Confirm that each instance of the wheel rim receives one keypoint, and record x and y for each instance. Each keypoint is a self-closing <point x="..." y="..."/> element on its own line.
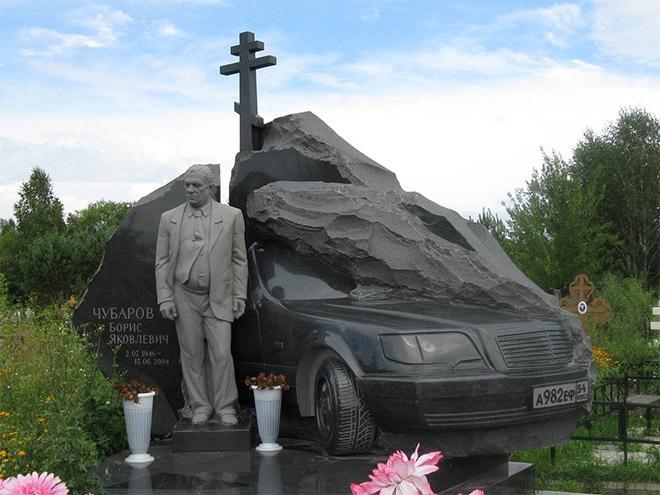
<point x="324" y="408"/>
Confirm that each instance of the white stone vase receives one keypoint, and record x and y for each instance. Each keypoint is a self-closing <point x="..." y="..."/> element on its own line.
<point x="138" y="427"/>
<point x="268" y="403"/>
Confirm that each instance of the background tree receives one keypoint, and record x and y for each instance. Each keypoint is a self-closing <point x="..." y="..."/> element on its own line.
<point x="89" y="230"/>
<point x="37" y="210"/>
<point x="100" y="216"/>
<point x="495" y="225"/>
<point x="10" y="251"/>
<point x="625" y="162"/>
<point x="43" y="257"/>
<point x="554" y="231"/>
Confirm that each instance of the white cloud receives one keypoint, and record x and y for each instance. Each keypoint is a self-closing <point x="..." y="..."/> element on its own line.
<point x="104" y="23"/>
<point x="560" y="17"/>
<point x="143" y="83"/>
<point x="558" y="22"/>
<point x="628" y="28"/>
<point x="168" y="30"/>
<point x="8" y="196"/>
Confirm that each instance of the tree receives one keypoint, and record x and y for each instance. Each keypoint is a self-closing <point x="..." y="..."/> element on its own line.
<point x="495" y="225"/>
<point x="100" y="216"/>
<point x="10" y="252"/>
<point x="625" y="163"/>
<point x="37" y="210"/>
<point x="49" y="268"/>
<point x="90" y="229"/>
<point x="554" y="232"/>
<point x="42" y="256"/>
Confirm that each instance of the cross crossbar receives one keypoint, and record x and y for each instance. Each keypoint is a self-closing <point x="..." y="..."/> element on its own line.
<point x="251" y="47"/>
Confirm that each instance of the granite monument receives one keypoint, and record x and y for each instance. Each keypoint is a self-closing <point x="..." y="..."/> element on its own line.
<point x="201" y="277"/>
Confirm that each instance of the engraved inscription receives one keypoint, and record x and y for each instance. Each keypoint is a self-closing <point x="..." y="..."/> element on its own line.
<point x="126" y="327"/>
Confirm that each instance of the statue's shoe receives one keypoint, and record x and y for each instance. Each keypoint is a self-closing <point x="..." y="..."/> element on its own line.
<point x="200" y="418"/>
<point x="228" y="419"/>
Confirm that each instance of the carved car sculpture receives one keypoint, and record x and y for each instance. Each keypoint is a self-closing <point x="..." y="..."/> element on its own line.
<point x="401" y="366"/>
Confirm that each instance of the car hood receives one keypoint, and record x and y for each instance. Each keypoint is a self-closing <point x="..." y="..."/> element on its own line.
<point x="403" y="316"/>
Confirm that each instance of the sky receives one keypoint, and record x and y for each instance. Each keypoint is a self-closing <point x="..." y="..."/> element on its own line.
<point x="458" y="98"/>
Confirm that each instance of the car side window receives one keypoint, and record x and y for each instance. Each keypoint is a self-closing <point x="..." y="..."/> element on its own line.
<point x="291" y="276"/>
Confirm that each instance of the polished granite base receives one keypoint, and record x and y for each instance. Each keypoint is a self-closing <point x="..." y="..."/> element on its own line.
<point x="301" y="468"/>
<point x="211" y="436"/>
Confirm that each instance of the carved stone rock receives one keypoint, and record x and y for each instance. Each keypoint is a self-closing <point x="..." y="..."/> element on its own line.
<point x="395" y="245"/>
<point x="301" y="147"/>
<point x="312" y="191"/>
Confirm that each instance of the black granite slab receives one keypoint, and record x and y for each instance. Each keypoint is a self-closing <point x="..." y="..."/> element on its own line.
<point x="301" y="468"/>
<point x="211" y="436"/>
<point x="120" y="312"/>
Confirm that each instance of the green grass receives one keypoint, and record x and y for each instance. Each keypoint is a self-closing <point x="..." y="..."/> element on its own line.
<point x="57" y="412"/>
<point x="578" y="469"/>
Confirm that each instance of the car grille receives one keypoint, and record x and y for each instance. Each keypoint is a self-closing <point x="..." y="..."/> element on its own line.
<point x="549" y="348"/>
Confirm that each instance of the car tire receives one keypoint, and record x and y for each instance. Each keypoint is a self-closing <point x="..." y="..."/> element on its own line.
<point x="344" y="421"/>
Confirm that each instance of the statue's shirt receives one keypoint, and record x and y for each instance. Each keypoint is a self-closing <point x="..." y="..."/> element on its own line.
<point x="192" y="268"/>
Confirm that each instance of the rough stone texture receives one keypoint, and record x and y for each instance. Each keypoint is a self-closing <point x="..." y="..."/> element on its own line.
<point x="301" y="147"/>
<point x="121" y="301"/>
<point x="394" y="244"/>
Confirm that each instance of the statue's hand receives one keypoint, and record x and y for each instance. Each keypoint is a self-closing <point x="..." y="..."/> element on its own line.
<point x="168" y="310"/>
<point x="239" y="308"/>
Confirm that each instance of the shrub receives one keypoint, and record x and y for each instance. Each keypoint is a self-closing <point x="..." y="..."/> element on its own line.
<point x="626" y="335"/>
<point x="59" y="414"/>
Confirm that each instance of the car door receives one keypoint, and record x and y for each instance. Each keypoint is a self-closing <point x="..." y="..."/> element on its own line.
<point x="275" y="323"/>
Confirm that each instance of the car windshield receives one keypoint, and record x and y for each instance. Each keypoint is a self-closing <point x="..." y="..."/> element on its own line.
<point x="289" y="275"/>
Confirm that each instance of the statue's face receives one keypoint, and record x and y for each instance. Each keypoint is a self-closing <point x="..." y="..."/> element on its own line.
<point x="198" y="191"/>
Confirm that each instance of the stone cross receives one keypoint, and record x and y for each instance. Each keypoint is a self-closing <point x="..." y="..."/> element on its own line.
<point x="246" y="67"/>
<point x="581" y="304"/>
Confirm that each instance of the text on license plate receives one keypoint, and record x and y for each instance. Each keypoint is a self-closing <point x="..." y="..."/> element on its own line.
<point x="563" y="393"/>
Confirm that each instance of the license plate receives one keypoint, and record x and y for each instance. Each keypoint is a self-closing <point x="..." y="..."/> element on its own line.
<point x="557" y="395"/>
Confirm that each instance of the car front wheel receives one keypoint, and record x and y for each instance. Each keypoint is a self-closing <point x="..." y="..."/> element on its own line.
<point x="345" y="424"/>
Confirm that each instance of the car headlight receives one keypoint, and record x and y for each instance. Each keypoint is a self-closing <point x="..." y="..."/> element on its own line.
<point x="451" y="348"/>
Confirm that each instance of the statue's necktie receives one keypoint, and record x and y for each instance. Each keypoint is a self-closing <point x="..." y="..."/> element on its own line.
<point x="198" y="228"/>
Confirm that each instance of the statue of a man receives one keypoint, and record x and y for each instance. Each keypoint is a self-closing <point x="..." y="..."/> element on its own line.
<point x="201" y="278"/>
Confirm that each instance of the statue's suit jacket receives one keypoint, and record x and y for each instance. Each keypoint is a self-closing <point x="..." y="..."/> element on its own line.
<point x="227" y="257"/>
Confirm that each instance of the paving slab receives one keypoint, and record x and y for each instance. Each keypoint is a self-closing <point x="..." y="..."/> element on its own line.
<point x="301" y="468"/>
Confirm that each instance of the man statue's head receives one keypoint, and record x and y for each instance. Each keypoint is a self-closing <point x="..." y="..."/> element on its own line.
<point x="198" y="181"/>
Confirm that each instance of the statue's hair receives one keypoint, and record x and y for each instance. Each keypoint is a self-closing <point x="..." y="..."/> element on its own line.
<point x="201" y="171"/>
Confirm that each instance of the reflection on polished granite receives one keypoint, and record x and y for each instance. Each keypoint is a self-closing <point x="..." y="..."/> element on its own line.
<point x="301" y="468"/>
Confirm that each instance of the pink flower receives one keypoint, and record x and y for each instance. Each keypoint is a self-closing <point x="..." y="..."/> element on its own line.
<point x="477" y="492"/>
<point x="34" y="484"/>
<point x="358" y="490"/>
<point x="401" y="475"/>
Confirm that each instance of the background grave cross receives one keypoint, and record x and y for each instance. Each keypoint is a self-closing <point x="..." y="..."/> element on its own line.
<point x="589" y="311"/>
<point x="246" y="67"/>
